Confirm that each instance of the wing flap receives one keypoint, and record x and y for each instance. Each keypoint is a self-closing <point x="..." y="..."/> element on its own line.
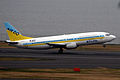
<point x="57" y="45"/>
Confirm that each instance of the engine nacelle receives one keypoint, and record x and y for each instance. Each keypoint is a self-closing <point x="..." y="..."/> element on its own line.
<point x="71" y="45"/>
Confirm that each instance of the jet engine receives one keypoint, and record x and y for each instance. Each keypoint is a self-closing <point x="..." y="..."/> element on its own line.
<point x="71" y="45"/>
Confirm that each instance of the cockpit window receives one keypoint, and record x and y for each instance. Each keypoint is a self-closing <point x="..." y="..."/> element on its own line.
<point x="107" y="35"/>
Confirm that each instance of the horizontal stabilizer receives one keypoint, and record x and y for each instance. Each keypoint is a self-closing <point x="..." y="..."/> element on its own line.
<point x="8" y="41"/>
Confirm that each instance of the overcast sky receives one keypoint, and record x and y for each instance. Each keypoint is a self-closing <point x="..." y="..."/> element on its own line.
<point x="51" y="17"/>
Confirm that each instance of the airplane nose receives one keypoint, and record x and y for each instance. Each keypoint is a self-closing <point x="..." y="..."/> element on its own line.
<point x="113" y="37"/>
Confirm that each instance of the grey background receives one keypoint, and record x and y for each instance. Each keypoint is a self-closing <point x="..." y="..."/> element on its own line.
<point x="51" y="17"/>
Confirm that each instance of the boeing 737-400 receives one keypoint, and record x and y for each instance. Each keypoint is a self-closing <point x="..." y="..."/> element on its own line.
<point x="66" y="41"/>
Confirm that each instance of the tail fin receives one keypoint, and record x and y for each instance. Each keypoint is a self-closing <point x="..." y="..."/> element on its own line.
<point x="14" y="35"/>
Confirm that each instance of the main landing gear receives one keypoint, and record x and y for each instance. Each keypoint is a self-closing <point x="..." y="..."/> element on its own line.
<point x="104" y="45"/>
<point x="60" y="50"/>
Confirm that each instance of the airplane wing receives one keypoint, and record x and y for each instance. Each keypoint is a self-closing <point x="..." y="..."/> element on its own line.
<point x="57" y="45"/>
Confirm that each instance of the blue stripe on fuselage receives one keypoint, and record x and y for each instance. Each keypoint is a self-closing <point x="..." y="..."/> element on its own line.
<point x="62" y="40"/>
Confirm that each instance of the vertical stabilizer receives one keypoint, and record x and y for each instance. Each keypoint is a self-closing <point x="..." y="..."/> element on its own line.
<point x="14" y="35"/>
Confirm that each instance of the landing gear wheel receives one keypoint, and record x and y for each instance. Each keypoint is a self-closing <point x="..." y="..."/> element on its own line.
<point x="60" y="51"/>
<point x="104" y="45"/>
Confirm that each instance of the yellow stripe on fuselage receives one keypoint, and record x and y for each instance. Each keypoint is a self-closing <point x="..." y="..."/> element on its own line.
<point x="65" y="41"/>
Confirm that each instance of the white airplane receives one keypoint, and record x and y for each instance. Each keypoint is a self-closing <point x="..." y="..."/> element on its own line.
<point x="66" y="41"/>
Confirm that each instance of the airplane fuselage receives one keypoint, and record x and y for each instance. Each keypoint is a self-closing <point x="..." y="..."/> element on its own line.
<point x="70" y="41"/>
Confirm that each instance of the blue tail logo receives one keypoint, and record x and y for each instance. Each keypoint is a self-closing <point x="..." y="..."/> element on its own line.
<point x="11" y="28"/>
